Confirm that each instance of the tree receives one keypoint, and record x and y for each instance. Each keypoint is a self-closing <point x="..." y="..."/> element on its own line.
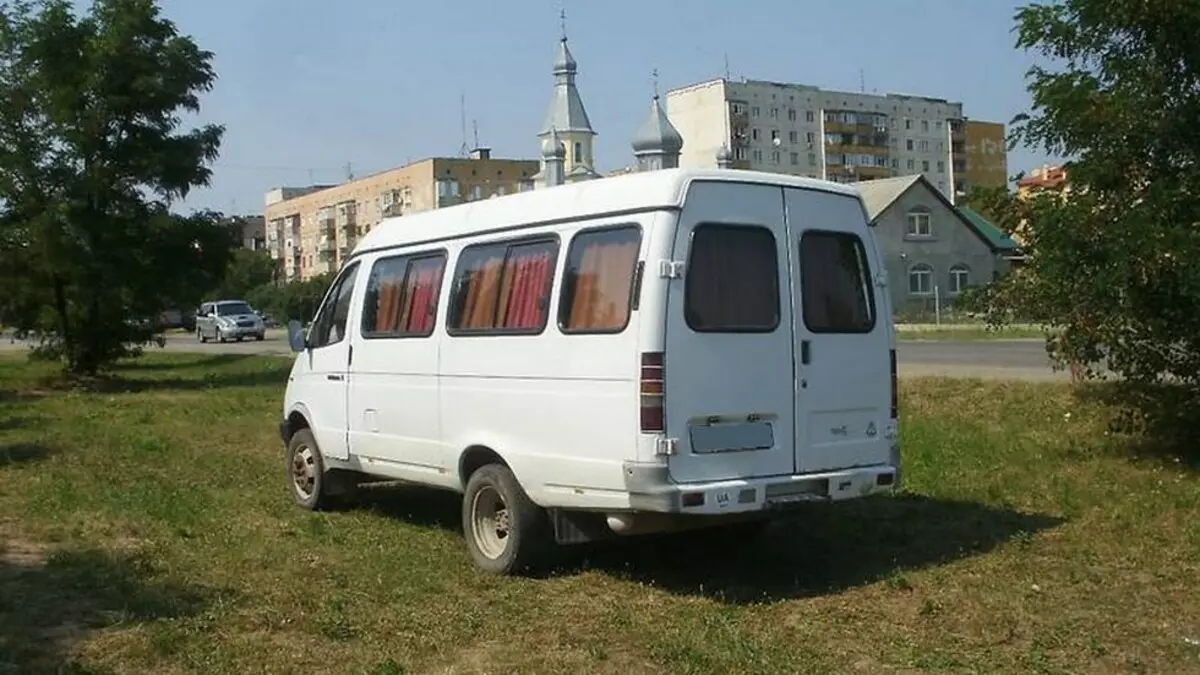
<point x="91" y="159"/>
<point x="1114" y="264"/>
<point x="247" y="271"/>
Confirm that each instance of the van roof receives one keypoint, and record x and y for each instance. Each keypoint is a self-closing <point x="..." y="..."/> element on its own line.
<point x="615" y="194"/>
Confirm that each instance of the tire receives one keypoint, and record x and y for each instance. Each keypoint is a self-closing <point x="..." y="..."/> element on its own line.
<point x="307" y="480"/>
<point x="200" y="336"/>
<point x="259" y="337"/>
<point x="520" y="543"/>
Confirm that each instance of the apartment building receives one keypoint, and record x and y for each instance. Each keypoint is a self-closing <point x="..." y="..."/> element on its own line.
<point x="313" y="229"/>
<point x="840" y="136"/>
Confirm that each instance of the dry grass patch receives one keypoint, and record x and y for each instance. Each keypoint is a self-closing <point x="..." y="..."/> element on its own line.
<point x="146" y="529"/>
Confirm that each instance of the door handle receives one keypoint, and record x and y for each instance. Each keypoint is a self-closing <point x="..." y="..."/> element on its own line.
<point x="805" y="351"/>
<point x="334" y="377"/>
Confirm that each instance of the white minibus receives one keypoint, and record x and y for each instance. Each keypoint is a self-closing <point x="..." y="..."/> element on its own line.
<point x="636" y="354"/>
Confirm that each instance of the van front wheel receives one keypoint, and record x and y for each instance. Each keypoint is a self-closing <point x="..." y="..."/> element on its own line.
<point x="306" y="472"/>
<point x="505" y="531"/>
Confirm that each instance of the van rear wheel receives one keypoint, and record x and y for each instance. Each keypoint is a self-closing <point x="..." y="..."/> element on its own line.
<point x="505" y="531"/>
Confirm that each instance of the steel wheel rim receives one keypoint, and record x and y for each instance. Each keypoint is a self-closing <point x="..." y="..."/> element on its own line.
<point x="491" y="525"/>
<point x="304" y="471"/>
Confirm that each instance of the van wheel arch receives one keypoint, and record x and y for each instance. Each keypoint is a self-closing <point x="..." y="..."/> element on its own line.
<point x="296" y="421"/>
<point x="474" y="458"/>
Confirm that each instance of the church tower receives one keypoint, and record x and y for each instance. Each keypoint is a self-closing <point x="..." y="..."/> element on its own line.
<point x="657" y="144"/>
<point x="567" y="119"/>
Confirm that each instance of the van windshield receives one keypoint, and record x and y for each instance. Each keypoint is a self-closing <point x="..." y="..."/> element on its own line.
<point x="233" y="309"/>
<point x="835" y="283"/>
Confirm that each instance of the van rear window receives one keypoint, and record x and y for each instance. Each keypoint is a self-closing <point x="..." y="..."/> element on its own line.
<point x="835" y="283"/>
<point x="731" y="282"/>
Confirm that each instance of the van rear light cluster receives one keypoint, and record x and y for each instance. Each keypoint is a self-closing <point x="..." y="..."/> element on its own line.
<point x="895" y="388"/>
<point x="651" y="387"/>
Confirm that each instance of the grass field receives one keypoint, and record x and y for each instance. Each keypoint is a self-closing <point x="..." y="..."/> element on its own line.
<point x="967" y="332"/>
<point x="145" y="527"/>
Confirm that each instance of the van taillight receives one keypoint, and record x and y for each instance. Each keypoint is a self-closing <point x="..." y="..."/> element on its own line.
<point x="895" y="388"/>
<point x="651" y="386"/>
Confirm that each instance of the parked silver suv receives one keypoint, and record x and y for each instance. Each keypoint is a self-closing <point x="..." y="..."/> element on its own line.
<point x="226" y="320"/>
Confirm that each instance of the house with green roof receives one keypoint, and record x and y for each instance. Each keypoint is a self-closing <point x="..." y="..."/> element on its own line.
<point x="933" y="250"/>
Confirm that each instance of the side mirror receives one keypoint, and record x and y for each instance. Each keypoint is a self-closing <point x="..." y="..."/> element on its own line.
<point x="296" y="338"/>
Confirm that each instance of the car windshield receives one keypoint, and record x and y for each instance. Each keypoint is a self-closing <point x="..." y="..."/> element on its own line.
<point x="233" y="309"/>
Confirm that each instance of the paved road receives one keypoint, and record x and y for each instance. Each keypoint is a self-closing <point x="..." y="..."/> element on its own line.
<point x="1004" y="359"/>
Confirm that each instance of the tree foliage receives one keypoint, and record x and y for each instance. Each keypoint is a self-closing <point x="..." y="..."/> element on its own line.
<point x="247" y="271"/>
<point x="91" y="159"/>
<point x="1114" y="263"/>
<point x="296" y="300"/>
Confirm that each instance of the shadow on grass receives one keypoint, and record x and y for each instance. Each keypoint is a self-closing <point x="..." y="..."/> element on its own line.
<point x="144" y="364"/>
<point x="18" y="422"/>
<point x="823" y="549"/>
<point x="15" y="454"/>
<point x="46" y="606"/>
<point x="1161" y="422"/>
<point x="422" y="506"/>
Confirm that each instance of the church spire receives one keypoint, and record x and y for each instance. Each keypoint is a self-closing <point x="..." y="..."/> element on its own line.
<point x="657" y="143"/>
<point x="567" y="118"/>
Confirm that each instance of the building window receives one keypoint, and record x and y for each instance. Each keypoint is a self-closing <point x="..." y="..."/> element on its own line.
<point x="475" y="193"/>
<point x="774" y="134"/>
<point x="791" y="114"/>
<point x="924" y="165"/>
<point x="578" y="153"/>
<point x="795" y="158"/>
<point x="447" y="188"/>
<point x="739" y="153"/>
<point x="924" y="146"/>
<point x="402" y="296"/>
<point x="598" y="280"/>
<point x="775" y="157"/>
<point x="908" y="145"/>
<point x="924" y="125"/>
<point x="812" y="159"/>
<point x="808" y="117"/>
<point x="941" y="166"/>
<point x="809" y="137"/>
<point x="960" y="278"/>
<point x="908" y="125"/>
<point x="895" y="163"/>
<point x="920" y="279"/>
<point x="920" y="224"/>
<point x="502" y="288"/>
<point x="774" y="113"/>
<point x="758" y="155"/>
<point x="732" y="284"/>
<point x="754" y="111"/>
<point x="911" y="164"/>
<point x="754" y="134"/>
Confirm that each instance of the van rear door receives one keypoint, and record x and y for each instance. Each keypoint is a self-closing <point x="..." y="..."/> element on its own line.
<point x="728" y="369"/>
<point x="843" y="340"/>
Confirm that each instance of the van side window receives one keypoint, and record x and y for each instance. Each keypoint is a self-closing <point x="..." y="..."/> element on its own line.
<point x="731" y="282"/>
<point x="598" y="279"/>
<point x="402" y="296"/>
<point x="835" y="283"/>
<point x="503" y="289"/>
<point x="330" y="325"/>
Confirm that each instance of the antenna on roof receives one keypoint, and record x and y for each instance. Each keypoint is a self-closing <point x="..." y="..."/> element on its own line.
<point x="349" y="171"/>
<point x="475" y="131"/>
<point x="464" y="151"/>
<point x="862" y="80"/>
<point x="727" y="65"/>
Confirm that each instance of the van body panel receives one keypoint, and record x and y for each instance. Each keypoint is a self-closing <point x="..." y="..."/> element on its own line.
<point x="721" y="387"/>
<point x="843" y="394"/>
<point x="747" y="425"/>
<point x="557" y="407"/>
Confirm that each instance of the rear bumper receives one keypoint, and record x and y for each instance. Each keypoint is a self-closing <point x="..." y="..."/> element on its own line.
<point x="650" y="489"/>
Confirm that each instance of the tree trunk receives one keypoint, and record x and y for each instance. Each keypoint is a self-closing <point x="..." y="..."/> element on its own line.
<point x="64" y="321"/>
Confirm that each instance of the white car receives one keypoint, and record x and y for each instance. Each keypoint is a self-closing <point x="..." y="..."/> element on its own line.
<point x="226" y="320"/>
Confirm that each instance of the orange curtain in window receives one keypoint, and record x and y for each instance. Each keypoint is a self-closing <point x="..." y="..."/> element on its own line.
<point x="387" y="305"/>
<point x="421" y="292"/>
<point x="482" y="290"/>
<point x="602" y="284"/>
<point x="525" y="289"/>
